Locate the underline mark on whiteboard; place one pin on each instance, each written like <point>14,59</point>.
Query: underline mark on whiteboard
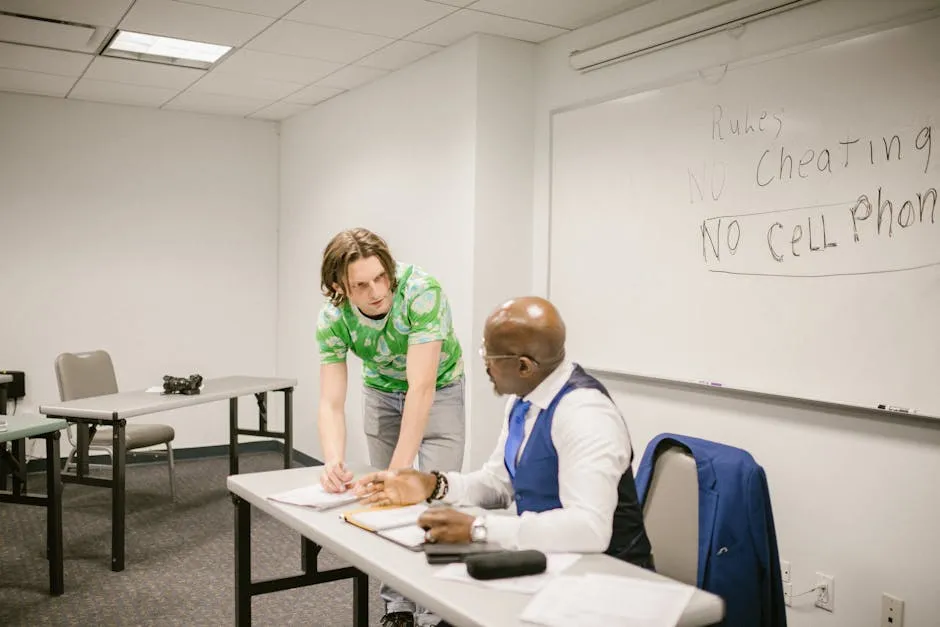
<point>847,204</point>
<point>832,274</point>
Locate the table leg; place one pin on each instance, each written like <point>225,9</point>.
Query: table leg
<point>361,600</point>
<point>233,436</point>
<point>4,467</point>
<point>242,562</point>
<point>288,427</point>
<point>3,399</point>
<point>262,399</point>
<point>117,495</point>
<point>54,515</point>
<point>83,439</point>
<point>20,478</point>
<point>309,552</point>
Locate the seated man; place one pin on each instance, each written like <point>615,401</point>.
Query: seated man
<point>564,454</point>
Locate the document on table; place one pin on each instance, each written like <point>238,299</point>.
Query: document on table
<point>529,584</point>
<point>315,497</point>
<point>594,600</point>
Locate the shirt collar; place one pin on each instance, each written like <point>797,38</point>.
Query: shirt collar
<point>546,391</point>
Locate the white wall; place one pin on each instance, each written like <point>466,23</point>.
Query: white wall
<point>502,233</point>
<point>853,497</point>
<point>396,157</point>
<point>150,234</point>
<point>419,157</point>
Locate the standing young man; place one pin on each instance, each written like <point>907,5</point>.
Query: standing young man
<point>396,318</point>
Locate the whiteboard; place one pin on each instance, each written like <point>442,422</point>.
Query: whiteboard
<point>775,228</point>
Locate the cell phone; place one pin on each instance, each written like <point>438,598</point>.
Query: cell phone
<point>444,553</point>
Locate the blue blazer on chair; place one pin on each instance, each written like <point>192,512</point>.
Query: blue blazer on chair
<point>737,554</point>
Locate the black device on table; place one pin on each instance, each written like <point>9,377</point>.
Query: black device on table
<point>446,553</point>
<point>504,564</point>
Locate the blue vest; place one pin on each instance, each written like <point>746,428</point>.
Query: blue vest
<point>536,481</point>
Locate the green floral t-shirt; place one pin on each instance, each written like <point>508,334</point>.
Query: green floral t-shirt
<point>419,313</point>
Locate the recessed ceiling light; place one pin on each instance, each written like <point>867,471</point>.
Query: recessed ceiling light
<point>143,47</point>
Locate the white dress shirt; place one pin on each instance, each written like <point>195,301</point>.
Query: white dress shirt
<point>593,446</point>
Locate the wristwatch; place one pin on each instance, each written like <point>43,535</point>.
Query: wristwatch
<point>478,529</point>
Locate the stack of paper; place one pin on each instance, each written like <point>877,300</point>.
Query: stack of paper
<point>594,600</point>
<point>314,496</point>
<point>530,584</point>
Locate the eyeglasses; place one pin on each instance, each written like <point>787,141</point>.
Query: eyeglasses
<point>487,357</point>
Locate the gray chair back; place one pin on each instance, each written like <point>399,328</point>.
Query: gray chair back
<point>670,514</point>
<point>81,375</point>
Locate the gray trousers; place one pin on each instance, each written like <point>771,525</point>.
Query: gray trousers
<point>441,449</point>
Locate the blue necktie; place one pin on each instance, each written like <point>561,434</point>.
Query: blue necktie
<point>516,434</point>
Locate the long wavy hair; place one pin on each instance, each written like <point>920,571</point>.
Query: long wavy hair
<point>345,248</point>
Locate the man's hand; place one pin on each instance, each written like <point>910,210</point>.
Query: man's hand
<point>335,477</point>
<point>443,524</point>
<point>395,487</point>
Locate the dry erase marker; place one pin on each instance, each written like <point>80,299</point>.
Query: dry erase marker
<point>713,384</point>
<point>900,410</point>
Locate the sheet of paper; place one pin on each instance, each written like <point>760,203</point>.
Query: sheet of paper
<point>557,563</point>
<point>392,517</point>
<point>315,496</point>
<point>411,535</point>
<point>594,600</point>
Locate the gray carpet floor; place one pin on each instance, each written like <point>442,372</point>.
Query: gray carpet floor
<point>179,557</point>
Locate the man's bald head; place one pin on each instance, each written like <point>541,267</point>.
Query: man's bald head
<point>528,326</point>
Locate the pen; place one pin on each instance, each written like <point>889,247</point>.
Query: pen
<point>713,384</point>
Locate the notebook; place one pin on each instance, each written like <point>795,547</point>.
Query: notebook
<point>315,497</point>
<point>398,524</point>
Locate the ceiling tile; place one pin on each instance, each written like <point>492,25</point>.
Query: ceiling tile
<point>50,34</point>
<point>307,40</point>
<point>212,103</point>
<point>271,8</point>
<point>466,22</point>
<point>142,73</point>
<point>95,12</point>
<point>279,67</point>
<point>313,94</point>
<point>35,83</point>
<point>32,59</point>
<point>193,21</point>
<point>392,18</point>
<point>351,76</point>
<point>121,93</point>
<point>563,13</point>
<point>280,111</point>
<point>225,84</point>
<point>398,55</point>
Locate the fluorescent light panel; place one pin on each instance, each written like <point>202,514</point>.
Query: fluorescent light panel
<point>143,47</point>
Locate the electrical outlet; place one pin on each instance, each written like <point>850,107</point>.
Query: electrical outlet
<point>825,592</point>
<point>892,611</point>
<point>788,594</point>
<point>785,571</point>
